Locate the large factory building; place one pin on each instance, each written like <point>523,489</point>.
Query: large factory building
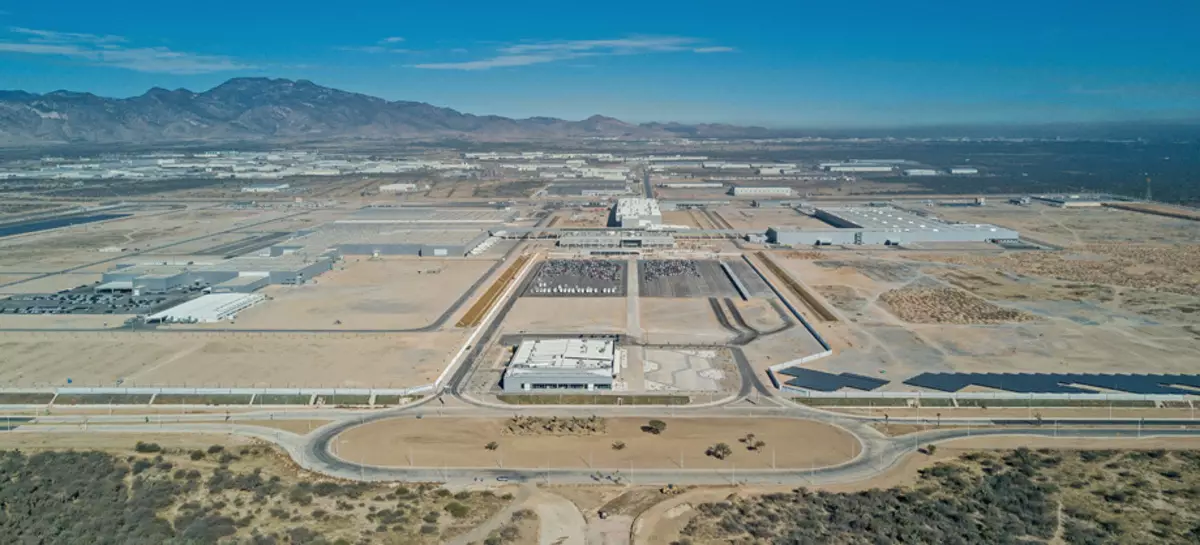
<point>885,225</point>
<point>563,364</point>
<point>637,213</point>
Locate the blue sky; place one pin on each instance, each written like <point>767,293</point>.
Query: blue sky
<point>778,64</point>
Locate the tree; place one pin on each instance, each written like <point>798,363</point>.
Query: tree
<point>655,426</point>
<point>930,449</point>
<point>618,445</point>
<point>492,445</point>
<point>719,451</point>
<point>758,445</point>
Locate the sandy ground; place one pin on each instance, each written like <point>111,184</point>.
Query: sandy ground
<point>63,321</point>
<point>1079,327</point>
<point>567,315</point>
<point>670,320</point>
<point>60,248</point>
<point>759,314</point>
<point>106,441</point>
<point>49,284</point>
<point>367,294</point>
<point>225,359</point>
<point>460,443</point>
<point>1070,226</point>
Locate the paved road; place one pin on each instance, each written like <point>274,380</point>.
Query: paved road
<point>876,453</point>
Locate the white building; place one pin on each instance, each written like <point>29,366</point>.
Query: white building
<point>557,364</point>
<point>397,188</point>
<point>213,307</point>
<point>265,188</point>
<point>692,185</point>
<point>859,167</point>
<point>921,172</point>
<point>637,213</point>
<point>748,191</point>
<point>964,171</point>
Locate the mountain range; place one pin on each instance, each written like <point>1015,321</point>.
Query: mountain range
<point>243,109</point>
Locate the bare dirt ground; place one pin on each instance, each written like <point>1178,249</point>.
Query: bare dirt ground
<point>1085,325</point>
<point>49,284</point>
<point>63,321</point>
<point>567,315</point>
<point>759,314</point>
<point>113,441</point>
<point>367,294</point>
<point>947,306</point>
<point>681,321</point>
<point>1072,226</point>
<point>682,217</point>
<point>460,443</point>
<point>225,359</point>
<point>61,248</point>
<point>588,217</point>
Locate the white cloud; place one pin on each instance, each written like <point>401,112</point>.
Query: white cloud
<point>108,50</point>
<point>525,54</point>
<point>391,40</point>
<point>373,49</point>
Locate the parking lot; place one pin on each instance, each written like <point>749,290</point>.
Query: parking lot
<point>683,278</point>
<point>86,301</point>
<point>579,278</point>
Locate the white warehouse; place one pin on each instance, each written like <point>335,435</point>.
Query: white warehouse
<point>397,188</point>
<point>213,307</point>
<point>637,213</point>
<point>265,188</point>
<point>563,364</point>
<point>749,191</point>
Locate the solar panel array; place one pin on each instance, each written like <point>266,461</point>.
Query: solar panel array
<point>1059,383</point>
<point>821,381</point>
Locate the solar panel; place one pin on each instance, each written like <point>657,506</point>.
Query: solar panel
<point>1057,383</point>
<point>812,379</point>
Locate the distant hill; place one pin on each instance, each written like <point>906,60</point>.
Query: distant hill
<point>281,109</point>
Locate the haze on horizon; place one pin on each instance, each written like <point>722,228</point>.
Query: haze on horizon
<point>773,64</point>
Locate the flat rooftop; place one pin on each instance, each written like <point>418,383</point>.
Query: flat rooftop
<point>428,215</point>
<point>565,354</point>
<point>887,217</point>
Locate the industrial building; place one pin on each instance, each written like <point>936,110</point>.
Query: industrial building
<point>240,274</point>
<point>887,226</point>
<point>616,239</point>
<point>265,188</point>
<point>859,167</point>
<point>563,364</point>
<point>1079,200</point>
<point>692,185</point>
<point>964,171</point>
<point>921,172</point>
<point>389,239</point>
<point>637,213</point>
<point>397,188</point>
<point>751,191</point>
<point>209,308</point>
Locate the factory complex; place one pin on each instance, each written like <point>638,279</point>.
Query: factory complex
<point>563,364</point>
<point>637,213</point>
<point>885,225</point>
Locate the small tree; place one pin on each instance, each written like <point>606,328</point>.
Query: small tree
<point>759,444</point>
<point>618,445</point>
<point>930,449</point>
<point>492,445</point>
<point>656,426</point>
<point>720,451</point>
